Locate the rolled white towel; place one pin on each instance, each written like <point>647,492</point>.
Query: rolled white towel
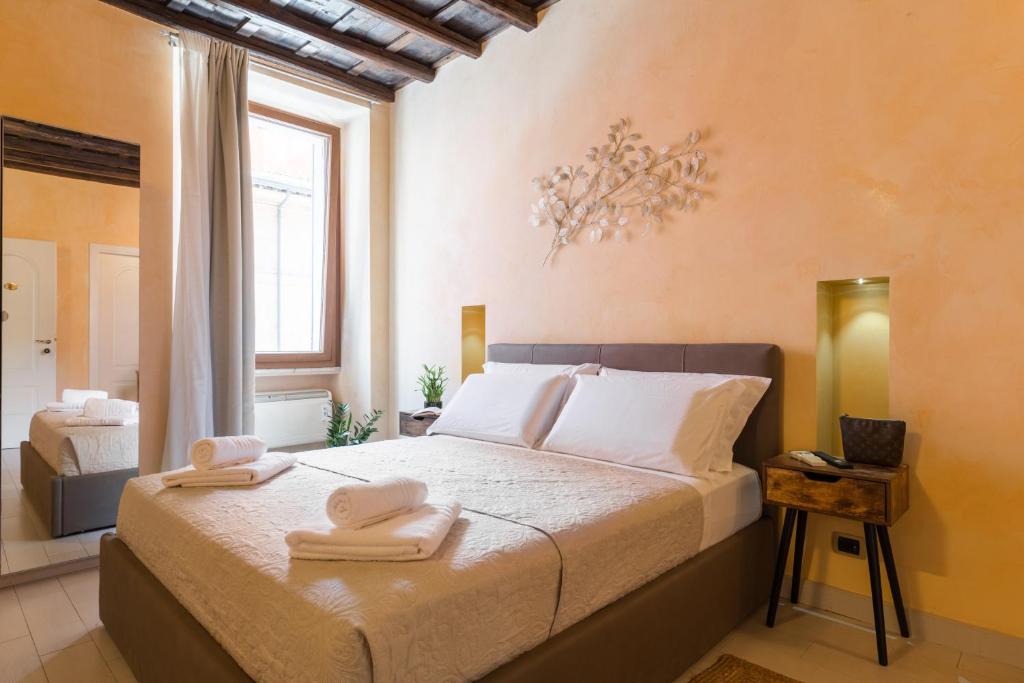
<point>225,451</point>
<point>83,421</point>
<point>81,395</point>
<point>412,536</point>
<point>110,407</point>
<point>270,465</point>
<point>355,506</point>
<point>63,406</point>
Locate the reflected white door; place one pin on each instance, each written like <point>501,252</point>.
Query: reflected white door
<point>114,320</point>
<point>29,364</point>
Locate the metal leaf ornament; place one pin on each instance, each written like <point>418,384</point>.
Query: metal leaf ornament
<point>623,184</point>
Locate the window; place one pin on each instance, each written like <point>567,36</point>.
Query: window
<point>295,178</point>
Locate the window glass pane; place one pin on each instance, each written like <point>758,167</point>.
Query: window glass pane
<point>289,172</point>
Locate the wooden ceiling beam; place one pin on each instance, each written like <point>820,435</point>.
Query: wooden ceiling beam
<point>512,11</point>
<point>367,51</point>
<point>159,13</point>
<point>402,16</point>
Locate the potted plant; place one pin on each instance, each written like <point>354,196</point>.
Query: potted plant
<point>342,432</point>
<point>432,384</point>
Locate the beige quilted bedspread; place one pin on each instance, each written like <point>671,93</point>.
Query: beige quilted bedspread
<point>543,541</point>
<point>82,450</point>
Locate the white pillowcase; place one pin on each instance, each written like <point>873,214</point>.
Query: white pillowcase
<point>738,398</point>
<point>495,368</point>
<point>515,409</point>
<point>672,422</point>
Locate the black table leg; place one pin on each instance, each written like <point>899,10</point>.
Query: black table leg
<point>894,582</point>
<point>798,555</point>
<point>780,565</point>
<point>871,539</point>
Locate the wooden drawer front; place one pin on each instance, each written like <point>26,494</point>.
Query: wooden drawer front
<point>843,496</point>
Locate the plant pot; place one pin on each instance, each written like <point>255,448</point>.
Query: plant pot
<point>432,404</point>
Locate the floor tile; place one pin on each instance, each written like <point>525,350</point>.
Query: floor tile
<point>19,662</point>
<point>12,623</point>
<point>52,619</point>
<point>974,667</point>
<point>104,643</point>
<point>83,589</point>
<point>122,672</point>
<point>81,663</point>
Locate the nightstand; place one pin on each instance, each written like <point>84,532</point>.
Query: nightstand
<point>413,426</point>
<point>875,496</point>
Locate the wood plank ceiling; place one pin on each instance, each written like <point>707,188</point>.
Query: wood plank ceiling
<point>370,48</point>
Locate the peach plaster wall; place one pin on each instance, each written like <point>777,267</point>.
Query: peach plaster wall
<point>847,139</point>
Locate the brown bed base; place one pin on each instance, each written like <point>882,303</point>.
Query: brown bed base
<point>71,504</point>
<point>653,634</point>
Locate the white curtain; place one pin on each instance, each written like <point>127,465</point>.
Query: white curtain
<point>213,356</point>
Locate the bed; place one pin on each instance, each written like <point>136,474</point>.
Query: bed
<point>592,571</point>
<point>74,476</point>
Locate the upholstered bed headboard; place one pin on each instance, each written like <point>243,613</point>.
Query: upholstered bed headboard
<point>759,439</point>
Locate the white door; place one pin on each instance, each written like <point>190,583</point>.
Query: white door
<point>29,364</point>
<point>114,320</point>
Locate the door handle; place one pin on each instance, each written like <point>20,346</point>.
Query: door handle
<point>12,286</point>
<point>44,341</point>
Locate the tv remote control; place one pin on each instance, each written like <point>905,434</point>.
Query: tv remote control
<point>834,461</point>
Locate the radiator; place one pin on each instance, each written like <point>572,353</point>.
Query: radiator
<point>292,418</point>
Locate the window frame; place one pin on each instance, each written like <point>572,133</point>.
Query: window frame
<point>330,356</point>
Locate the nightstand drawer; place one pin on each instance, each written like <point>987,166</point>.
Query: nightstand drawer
<point>858,499</point>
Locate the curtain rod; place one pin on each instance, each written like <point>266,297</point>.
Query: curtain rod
<point>173,37</point>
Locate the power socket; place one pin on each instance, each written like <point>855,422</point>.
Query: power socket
<point>847,544</point>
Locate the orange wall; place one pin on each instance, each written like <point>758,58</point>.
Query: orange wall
<point>74,214</point>
<point>847,138</point>
<point>84,65</point>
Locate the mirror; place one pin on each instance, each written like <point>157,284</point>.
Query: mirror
<point>70,321</point>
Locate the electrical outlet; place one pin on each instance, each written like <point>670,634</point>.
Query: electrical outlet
<point>847,544</point>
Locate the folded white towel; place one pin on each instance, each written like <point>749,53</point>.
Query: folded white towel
<point>225,451</point>
<point>354,506</point>
<point>110,407</point>
<point>412,536</point>
<point>266,467</point>
<point>81,395</point>
<point>63,406</point>
<point>83,421</point>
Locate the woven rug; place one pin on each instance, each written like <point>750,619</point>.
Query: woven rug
<point>729,669</point>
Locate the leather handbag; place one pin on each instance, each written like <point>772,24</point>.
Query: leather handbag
<point>873,442</point>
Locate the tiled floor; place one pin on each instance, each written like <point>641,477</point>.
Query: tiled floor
<point>50,631</point>
<point>812,646</point>
<point>25,542</point>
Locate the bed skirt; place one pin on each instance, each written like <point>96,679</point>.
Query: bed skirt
<point>71,504</point>
<point>653,634</point>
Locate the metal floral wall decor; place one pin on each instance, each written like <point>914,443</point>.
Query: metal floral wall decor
<point>622,184</point>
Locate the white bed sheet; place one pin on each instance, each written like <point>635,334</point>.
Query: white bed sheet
<point>732,500</point>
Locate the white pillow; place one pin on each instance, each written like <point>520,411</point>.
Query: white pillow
<point>515,409</point>
<point>740,396</point>
<point>495,368</point>
<point>570,371</point>
<point>660,422</point>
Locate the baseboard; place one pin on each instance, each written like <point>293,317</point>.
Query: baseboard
<point>923,626</point>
